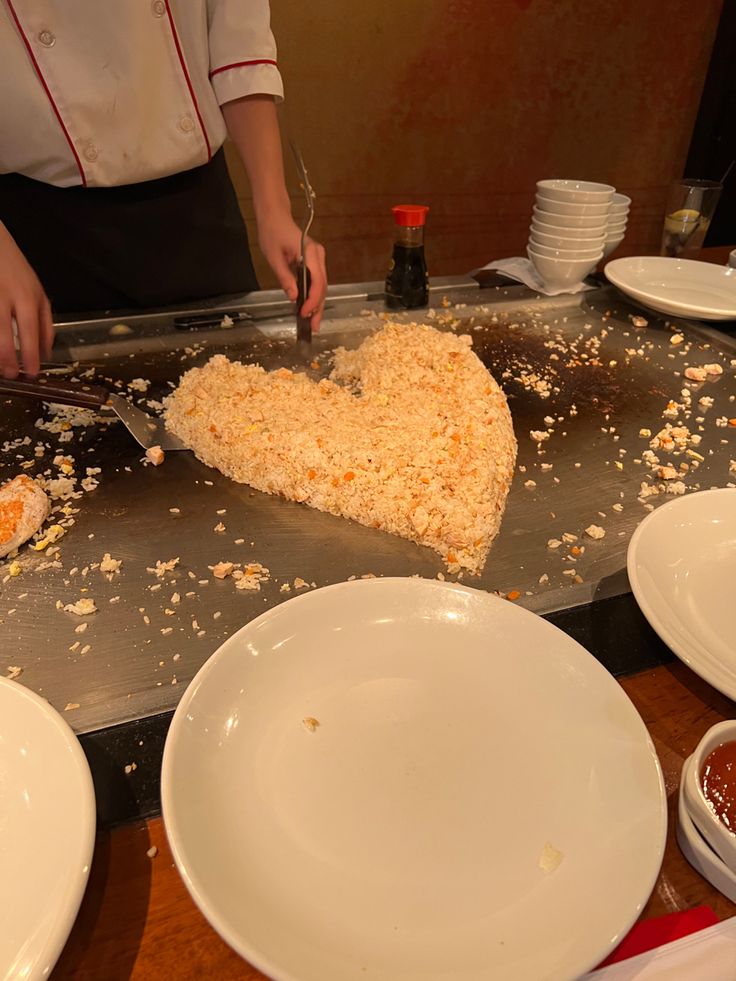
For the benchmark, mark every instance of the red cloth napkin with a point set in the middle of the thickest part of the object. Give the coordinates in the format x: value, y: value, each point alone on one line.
x: 662, y: 930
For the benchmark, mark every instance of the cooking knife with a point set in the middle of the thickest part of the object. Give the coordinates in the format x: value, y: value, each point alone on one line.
x: 199, y: 321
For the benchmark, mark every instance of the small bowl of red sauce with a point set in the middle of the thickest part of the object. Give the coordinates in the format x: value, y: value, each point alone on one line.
x: 710, y: 790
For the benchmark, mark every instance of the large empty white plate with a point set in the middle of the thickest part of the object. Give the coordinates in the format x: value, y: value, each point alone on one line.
x: 679, y: 287
x: 682, y: 569
x: 47, y: 832
x: 460, y: 740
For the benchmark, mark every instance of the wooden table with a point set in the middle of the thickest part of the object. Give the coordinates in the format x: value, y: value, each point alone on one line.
x: 137, y: 921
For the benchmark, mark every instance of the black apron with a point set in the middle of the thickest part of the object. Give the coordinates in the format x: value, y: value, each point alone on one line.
x: 138, y: 246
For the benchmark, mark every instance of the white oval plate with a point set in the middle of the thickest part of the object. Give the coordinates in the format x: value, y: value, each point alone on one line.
x: 401, y: 838
x: 682, y: 566
x: 679, y: 287
x: 47, y: 832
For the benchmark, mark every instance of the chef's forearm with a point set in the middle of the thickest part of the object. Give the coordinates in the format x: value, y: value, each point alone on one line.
x: 253, y: 127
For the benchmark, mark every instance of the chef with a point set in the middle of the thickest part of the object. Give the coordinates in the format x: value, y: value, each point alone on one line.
x: 114, y: 191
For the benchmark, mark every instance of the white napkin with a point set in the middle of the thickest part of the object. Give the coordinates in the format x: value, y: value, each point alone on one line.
x: 522, y: 270
x: 708, y: 955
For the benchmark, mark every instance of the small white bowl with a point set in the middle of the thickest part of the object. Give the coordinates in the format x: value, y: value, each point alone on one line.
x: 715, y: 832
x: 696, y: 850
x: 566, y: 231
x: 616, y: 225
x: 572, y: 207
x: 611, y: 244
x: 552, y: 217
x: 589, y: 253
x: 569, y: 241
x: 561, y: 273
x: 580, y: 192
x: 620, y: 204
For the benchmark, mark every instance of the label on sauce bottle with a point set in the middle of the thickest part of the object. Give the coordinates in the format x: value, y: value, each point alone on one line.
x: 407, y: 282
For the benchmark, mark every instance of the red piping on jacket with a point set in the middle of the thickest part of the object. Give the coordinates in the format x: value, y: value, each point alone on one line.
x: 243, y: 64
x: 188, y: 79
x: 47, y: 90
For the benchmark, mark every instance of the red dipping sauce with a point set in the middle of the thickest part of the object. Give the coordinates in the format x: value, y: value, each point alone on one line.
x: 718, y: 778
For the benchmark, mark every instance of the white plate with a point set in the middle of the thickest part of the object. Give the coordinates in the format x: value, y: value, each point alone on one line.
x: 695, y: 848
x: 401, y: 839
x: 682, y: 567
x: 47, y: 832
x: 679, y: 287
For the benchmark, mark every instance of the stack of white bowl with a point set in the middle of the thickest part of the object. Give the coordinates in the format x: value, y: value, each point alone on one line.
x: 570, y: 229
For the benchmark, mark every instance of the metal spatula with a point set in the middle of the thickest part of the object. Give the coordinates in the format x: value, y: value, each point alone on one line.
x: 147, y: 430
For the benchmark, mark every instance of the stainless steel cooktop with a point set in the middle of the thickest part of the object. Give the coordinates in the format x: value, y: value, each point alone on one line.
x: 576, y: 366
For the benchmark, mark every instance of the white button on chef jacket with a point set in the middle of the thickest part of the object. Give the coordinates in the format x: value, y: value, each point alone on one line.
x: 132, y: 94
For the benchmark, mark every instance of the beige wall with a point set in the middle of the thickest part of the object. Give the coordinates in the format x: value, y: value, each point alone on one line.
x: 464, y: 104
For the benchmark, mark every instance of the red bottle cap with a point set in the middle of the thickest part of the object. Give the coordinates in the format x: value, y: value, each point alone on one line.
x: 412, y: 215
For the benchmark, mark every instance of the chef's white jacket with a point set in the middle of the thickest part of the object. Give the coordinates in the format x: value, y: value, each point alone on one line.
x: 111, y: 92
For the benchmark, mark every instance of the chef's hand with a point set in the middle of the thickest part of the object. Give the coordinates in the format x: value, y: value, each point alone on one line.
x: 253, y: 126
x: 22, y: 299
x: 280, y: 240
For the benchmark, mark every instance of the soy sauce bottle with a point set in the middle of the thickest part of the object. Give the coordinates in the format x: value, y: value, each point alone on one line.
x: 407, y: 280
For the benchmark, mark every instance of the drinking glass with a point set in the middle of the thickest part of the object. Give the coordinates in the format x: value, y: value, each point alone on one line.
x: 690, y: 208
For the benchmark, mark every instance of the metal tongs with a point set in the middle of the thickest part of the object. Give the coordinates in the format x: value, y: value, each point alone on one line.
x: 303, y: 278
